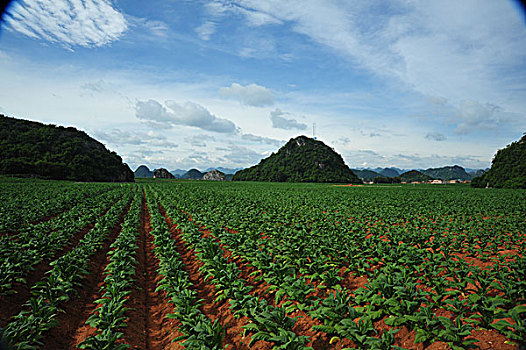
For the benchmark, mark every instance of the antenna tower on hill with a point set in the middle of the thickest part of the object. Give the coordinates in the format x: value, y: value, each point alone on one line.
x: 314, y: 131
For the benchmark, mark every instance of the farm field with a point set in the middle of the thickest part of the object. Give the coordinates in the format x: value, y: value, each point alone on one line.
x: 213, y: 265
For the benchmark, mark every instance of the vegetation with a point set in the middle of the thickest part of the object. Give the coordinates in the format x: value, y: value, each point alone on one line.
x: 454, y: 172
x: 55, y: 152
x: 365, y: 174
x: 281, y: 266
x: 414, y: 175
x: 143, y: 172
x: 193, y: 174
x: 508, y: 168
x: 300, y: 160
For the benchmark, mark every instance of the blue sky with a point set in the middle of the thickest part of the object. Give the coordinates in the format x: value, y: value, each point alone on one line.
x: 183, y: 84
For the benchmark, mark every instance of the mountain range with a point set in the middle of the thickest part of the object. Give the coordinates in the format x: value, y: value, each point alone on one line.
x: 454, y: 172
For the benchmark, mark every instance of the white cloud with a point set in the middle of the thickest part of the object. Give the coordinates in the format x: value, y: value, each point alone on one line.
x: 206, y: 30
x: 242, y: 155
x: 458, y: 50
x: 188, y: 114
x: 250, y: 95
x: 280, y: 122
x: 125, y: 137
x: 70, y: 23
x: 473, y: 115
x: 258, y: 18
x: 261, y: 139
x: 411, y: 160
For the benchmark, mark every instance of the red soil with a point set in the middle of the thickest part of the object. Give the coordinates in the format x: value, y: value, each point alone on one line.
x: 206, y: 291
x: 147, y: 328
x: 72, y: 329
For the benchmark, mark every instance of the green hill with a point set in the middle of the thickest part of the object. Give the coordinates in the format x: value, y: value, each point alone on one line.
x: 193, y: 174
x: 365, y: 174
x: 414, y: 175
x: 54, y: 152
x: 508, y: 168
x: 448, y: 173
x: 143, y: 172
x: 302, y: 159
x: 389, y: 172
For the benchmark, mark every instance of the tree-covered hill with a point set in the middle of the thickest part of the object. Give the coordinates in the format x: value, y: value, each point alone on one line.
x: 414, y: 175
x: 54, y: 152
x: 302, y: 159
x: 193, y: 174
x: 143, y: 172
x: 454, y: 172
x: 508, y: 168
x: 365, y: 174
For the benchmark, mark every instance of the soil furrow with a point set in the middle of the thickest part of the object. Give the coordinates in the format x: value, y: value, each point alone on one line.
x: 304, y: 323
x: 72, y: 329
x: 14, y: 303
x: 147, y: 328
x: 206, y: 291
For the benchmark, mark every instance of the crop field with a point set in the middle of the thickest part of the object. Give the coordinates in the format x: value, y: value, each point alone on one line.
x: 213, y: 265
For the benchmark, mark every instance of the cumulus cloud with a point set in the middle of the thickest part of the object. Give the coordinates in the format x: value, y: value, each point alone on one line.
x: 88, y: 23
x: 188, y: 114
x: 250, y: 95
x: 435, y: 136
x: 280, y: 122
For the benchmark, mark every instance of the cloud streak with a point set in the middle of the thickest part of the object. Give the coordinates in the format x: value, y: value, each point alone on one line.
x: 88, y: 23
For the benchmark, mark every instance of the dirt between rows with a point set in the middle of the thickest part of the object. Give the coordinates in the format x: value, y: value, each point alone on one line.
x: 206, y: 291
x: 147, y: 328
x: 12, y: 304
x: 72, y: 329
x: 488, y: 339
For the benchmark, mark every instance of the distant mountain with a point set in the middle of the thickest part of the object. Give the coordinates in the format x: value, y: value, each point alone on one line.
x: 414, y: 175
x: 178, y: 172
x: 476, y: 172
x: 448, y: 173
x: 162, y: 173
x: 54, y: 152
x: 508, y: 168
x: 389, y: 172
x: 225, y: 171
x: 193, y: 174
x: 302, y: 159
x: 365, y: 174
x: 214, y: 175
x: 143, y: 172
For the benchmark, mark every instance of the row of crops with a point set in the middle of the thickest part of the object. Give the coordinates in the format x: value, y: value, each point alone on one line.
x: 267, y: 266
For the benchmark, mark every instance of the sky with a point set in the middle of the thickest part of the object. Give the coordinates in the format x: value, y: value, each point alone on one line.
x: 209, y: 83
